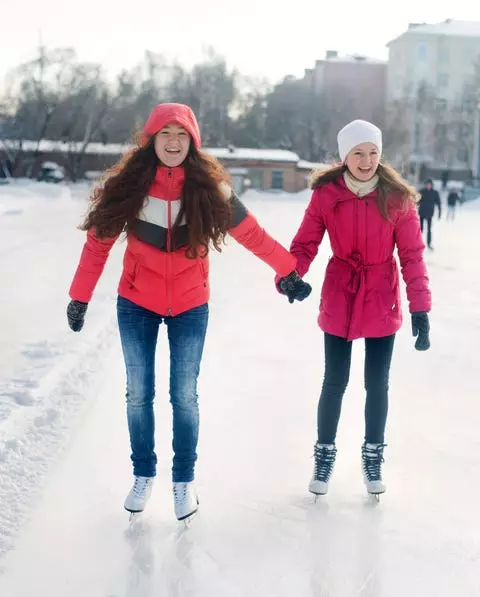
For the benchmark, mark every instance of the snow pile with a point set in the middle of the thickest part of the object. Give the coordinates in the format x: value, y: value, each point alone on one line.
x: 44, y: 380
x: 21, y: 194
x: 265, y: 196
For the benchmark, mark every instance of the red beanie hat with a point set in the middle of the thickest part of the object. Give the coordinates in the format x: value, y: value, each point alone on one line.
x: 164, y: 114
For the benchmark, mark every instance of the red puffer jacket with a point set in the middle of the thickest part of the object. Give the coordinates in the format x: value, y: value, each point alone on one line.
x: 361, y: 295
x: 155, y: 276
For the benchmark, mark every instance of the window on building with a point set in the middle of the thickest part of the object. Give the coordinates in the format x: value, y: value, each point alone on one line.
x: 463, y: 155
x: 441, y: 145
x: 441, y: 132
x: 237, y: 180
x: 422, y: 51
x: 443, y: 55
x: 442, y: 80
x: 277, y: 179
x: 465, y: 130
x: 416, y: 137
x: 256, y: 178
x: 469, y: 55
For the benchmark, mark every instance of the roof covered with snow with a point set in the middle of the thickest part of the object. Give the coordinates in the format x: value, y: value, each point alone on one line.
x: 246, y: 154
x: 358, y: 58
x: 304, y: 165
x: 448, y: 27
x: 230, y: 153
x: 47, y: 146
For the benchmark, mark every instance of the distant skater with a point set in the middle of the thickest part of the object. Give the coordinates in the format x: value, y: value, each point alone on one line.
x: 429, y: 199
x: 452, y: 200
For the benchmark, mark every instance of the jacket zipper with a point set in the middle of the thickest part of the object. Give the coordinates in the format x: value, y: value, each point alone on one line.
x: 366, y: 230
x: 355, y: 247
x: 355, y: 250
x: 169, y: 247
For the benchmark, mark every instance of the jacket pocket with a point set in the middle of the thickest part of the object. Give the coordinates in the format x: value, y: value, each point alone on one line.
x: 131, y: 267
x: 134, y: 274
x: 389, y: 294
x: 329, y: 293
x: 204, y: 267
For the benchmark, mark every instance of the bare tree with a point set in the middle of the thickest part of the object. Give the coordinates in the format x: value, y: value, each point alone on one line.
x: 33, y: 89
x: 398, y: 133
x: 44, y: 78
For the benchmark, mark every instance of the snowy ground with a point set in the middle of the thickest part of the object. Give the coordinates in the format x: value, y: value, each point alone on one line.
x: 64, y: 457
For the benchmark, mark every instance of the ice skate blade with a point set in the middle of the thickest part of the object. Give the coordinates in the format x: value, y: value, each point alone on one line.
x: 376, y: 496
x: 187, y: 520
x: 133, y: 514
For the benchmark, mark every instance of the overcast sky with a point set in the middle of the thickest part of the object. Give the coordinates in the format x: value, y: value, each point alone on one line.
x: 256, y: 36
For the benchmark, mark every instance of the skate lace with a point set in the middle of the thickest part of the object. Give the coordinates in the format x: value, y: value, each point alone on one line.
x: 140, y: 485
x: 180, y: 491
x: 324, y: 461
x: 372, y: 461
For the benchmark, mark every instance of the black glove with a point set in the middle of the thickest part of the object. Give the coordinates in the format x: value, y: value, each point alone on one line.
x: 76, y: 315
x: 294, y: 287
x: 421, y: 328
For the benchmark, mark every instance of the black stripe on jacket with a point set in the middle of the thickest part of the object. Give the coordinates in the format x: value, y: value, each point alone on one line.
x: 156, y: 235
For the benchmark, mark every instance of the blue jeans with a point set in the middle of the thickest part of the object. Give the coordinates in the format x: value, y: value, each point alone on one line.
x: 186, y: 335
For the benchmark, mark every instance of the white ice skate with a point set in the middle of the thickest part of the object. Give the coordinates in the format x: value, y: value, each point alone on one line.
x: 139, y: 495
x: 185, y: 500
x: 372, y: 459
x: 324, y: 455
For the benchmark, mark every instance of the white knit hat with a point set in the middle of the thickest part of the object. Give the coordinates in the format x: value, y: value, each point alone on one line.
x: 356, y: 132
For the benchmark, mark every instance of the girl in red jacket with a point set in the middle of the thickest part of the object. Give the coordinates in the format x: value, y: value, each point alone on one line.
x: 367, y: 210
x: 173, y: 202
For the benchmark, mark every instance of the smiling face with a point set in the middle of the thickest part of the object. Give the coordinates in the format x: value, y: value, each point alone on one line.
x: 172, y: 144
x: 362, y: 161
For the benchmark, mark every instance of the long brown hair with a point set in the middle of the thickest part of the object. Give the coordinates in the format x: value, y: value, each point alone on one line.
x: 394, y: 191
x: 115, y: 206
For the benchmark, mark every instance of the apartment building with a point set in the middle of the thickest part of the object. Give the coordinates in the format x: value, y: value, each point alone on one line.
x: 442, y: 55
x: 348, y: 87
x: 433, y: 93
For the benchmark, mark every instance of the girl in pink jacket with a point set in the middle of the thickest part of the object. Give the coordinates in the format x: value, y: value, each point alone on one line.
x: 368, y: 210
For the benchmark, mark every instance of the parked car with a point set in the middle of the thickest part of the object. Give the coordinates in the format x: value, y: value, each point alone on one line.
x: 51, y: 172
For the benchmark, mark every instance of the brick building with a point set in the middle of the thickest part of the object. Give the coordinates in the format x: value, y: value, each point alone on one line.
x: 273, y: 170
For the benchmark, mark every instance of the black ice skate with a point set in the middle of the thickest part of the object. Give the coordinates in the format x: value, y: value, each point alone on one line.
x: 372, y: 459
x: 324, y: 455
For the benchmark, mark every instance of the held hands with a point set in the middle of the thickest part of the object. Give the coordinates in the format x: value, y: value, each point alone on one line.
x: 421, y: 328
x: 76, y: 315
x: 294, y: 287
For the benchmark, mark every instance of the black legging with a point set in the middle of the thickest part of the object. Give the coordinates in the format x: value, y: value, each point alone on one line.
x: 429, y: 228
x: 338, y: 353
